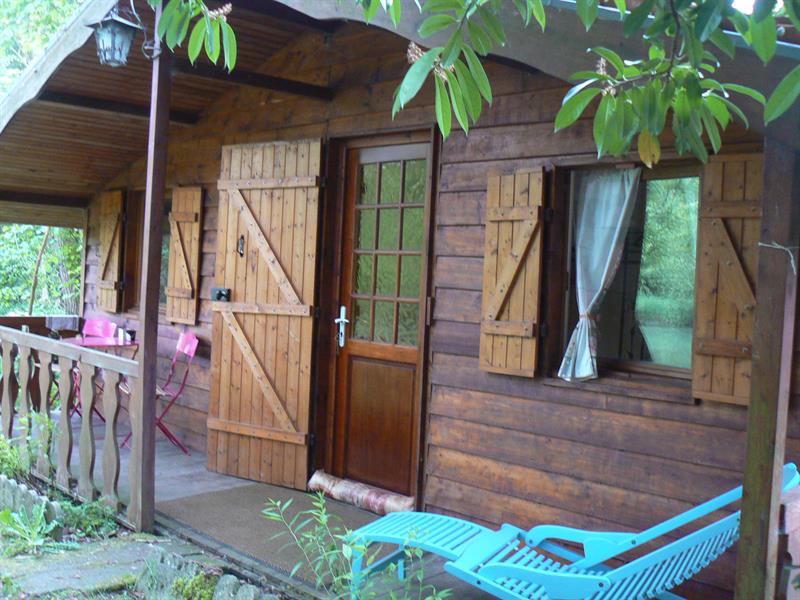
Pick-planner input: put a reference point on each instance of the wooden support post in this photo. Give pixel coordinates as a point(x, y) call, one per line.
point(773, 343)
point(142, 466)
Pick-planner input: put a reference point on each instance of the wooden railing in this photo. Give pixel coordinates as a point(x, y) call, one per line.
point(28, 363)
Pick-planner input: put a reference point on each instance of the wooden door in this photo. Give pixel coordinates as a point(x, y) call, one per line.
point(109, 268)
point(258, 419)
point(378, 368)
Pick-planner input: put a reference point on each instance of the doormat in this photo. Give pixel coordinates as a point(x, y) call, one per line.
point(234, 518)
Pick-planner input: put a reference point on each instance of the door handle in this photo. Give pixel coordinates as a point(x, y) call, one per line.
point(341, 321)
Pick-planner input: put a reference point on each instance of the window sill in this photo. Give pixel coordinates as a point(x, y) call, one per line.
point(661, 387)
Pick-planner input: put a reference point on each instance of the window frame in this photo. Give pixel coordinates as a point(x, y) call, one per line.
point(667, 170)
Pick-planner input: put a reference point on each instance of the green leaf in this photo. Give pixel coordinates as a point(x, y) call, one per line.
point(435, 23)
point(470, 93)
point(634, 21)
point(601, 122)
point(793, 11)
point(440, 5)
point(573, 107)
point(371, 9)
point(414, 79)
point(612, 57)
point(229, 45)
point(711, 129)
point(722, 41)
point(166, 17)
point(764, 37)
point(785, 94)
point(762, 9)
point(621, 7)
point(480, 40)
point(212, 42)
point(453, 49)
point(649, 148)
point(457, 101)
point(709, 16)
point(587, 12)
point(444, 116)
point(493, 25)
point(718, 109)
point(196, 40)
point(478, 74)
point(396, 11)
point(738, 111)
point(537, 7)
point(747, 91)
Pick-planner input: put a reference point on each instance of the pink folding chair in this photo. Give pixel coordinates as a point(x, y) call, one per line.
point(171, 391)
point(91, 328)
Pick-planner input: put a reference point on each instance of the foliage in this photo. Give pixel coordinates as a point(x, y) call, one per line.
point(199, 587)
point(210, 31)
point(329, 552)
point(29, 533)
point(8, 587)
point(10, 460)
point(89, 520)
point(58, 288)
point(27, 27)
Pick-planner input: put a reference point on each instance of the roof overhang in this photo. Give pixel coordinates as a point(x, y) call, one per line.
point(71, 37)
point(562, 49)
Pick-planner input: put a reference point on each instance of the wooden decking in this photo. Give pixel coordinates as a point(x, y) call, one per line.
point(223, 514)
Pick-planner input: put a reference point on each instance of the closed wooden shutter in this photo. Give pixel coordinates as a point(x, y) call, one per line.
point(109, 270)
point(258, 421)
point(727, 257)
point(183, 274)
point(512, 274)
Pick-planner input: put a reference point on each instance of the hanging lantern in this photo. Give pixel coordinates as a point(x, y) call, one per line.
point(114, 37)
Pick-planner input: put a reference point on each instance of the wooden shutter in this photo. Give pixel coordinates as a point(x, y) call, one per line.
point(258, 418)
point(512, 263)
point(183, 274)
point(109, 269)
point(727, 257)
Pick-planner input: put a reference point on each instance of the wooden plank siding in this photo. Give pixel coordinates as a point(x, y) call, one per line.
point(619, 453)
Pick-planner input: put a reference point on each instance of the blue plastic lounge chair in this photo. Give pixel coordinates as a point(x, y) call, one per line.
point(514, 564)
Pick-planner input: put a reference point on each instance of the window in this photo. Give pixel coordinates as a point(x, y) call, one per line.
point(647, 314)
point(134, 230)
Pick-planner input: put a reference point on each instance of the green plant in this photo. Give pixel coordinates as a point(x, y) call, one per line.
point(9, 588)
point(328, 553)
point(29, 533)
point(90, 520)
point(199, 587)
point(10, 460)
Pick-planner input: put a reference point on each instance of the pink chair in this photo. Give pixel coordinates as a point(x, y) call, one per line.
point(91, 328)
point(98, 328)
point(171, 391)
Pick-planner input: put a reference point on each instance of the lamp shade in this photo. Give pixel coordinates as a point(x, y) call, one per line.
point(114, 36)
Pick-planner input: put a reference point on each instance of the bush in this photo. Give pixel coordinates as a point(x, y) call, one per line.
point(90, 520)
point(10, 460)
point(659, 310)
point(199, 587)
point(29, 533)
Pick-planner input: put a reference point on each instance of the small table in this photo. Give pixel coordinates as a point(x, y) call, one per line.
point(109, 344)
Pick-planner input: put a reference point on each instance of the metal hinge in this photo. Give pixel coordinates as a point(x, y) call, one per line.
point(323, 180)
point(549, 214)
point(317, 312)
point(312, 439)
point(542, 330)
point(428, 311)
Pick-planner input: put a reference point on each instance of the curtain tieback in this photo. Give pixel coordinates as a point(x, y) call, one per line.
point(588, 316)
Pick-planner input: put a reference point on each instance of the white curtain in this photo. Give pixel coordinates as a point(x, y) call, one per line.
point(604, 200)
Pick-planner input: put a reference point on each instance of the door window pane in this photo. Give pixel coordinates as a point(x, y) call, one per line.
point(412, 228)
point(361, 319)
point(369, 184)
point(409, 276)
point(390, 183)
point(389, 229)
point(363, 276)
point(415, 181)
point(408, 324)
point(365, 238)
point(384, 322)
point(387, 276)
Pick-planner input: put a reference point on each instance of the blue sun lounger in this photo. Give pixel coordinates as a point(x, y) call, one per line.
point(515, 564)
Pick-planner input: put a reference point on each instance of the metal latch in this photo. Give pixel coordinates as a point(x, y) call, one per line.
point(221, 294)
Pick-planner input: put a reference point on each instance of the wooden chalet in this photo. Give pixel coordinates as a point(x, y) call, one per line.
point(285, 191)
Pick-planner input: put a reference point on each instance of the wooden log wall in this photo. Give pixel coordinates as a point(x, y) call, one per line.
point(618, 453)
